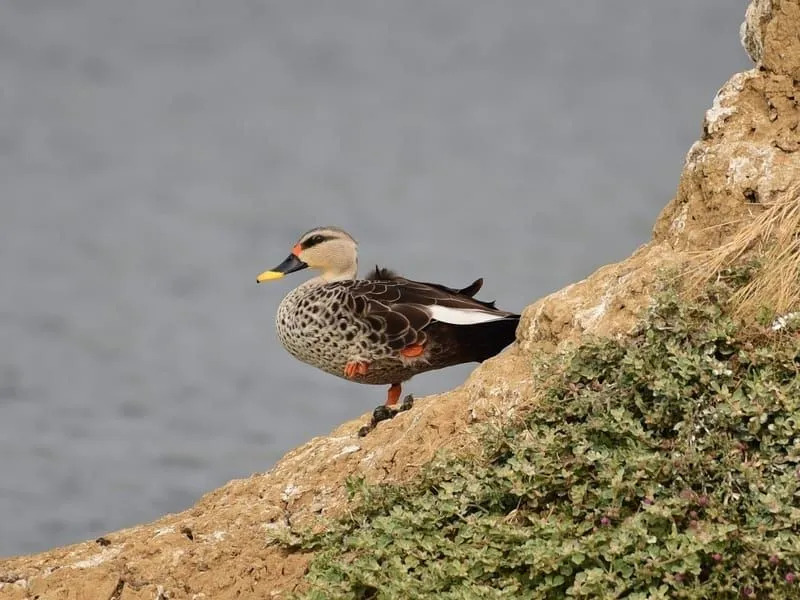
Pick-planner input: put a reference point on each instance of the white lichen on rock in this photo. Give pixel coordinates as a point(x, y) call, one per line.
point(164, 531)
point(347, 450)
point(721, 107)
point(289, 492)
point(97, 559)
point(750, 31)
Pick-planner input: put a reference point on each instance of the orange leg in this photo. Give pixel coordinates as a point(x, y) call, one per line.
point(354, 368)
point(394, 394)
point(412, 350)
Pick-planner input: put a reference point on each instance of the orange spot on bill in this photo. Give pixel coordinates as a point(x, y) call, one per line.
point(412, 350)
point(297, 249)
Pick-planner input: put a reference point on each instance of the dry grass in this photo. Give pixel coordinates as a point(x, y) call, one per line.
point(772, 237)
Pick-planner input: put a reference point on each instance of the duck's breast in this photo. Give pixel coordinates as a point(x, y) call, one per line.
point(317, 326)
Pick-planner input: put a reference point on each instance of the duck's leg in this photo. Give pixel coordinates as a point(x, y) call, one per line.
point(394, 394)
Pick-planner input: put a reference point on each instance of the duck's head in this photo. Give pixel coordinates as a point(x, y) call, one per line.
point(330, 250)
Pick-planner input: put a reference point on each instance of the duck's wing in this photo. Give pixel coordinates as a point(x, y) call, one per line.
point(384, 274)
point(402, 309)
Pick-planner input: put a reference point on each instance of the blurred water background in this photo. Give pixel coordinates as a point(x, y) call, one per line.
point(156, 156)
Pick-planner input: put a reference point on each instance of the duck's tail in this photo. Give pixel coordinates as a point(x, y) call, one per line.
point(485, 340)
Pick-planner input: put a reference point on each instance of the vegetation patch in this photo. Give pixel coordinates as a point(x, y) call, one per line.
point(662, 465)
point(769, 236)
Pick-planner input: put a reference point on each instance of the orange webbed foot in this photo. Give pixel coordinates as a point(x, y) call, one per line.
point(356, 367)
point(389, 410)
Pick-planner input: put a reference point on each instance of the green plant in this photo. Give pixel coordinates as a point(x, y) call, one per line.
point(662, 465)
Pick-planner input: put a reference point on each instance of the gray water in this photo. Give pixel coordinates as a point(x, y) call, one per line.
point(156, 155)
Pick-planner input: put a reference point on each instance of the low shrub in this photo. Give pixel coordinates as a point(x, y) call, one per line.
point(662, 465)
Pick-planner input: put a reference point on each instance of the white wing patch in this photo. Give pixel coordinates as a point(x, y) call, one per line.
point(462, 316)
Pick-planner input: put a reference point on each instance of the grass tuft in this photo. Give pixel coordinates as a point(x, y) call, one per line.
point(772, 238)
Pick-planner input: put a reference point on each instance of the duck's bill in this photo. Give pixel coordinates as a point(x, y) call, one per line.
point(290, 265)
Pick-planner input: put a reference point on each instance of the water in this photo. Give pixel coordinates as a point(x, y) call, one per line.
point(156, 156)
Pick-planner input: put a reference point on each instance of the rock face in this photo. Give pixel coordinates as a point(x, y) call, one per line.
point(769, 34)
point(747, 157)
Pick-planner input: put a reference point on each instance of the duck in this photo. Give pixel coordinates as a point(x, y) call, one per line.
point(382, 329)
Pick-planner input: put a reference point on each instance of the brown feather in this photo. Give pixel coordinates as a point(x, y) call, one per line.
point(381, 273)
point(398, 307)
point(384, 274)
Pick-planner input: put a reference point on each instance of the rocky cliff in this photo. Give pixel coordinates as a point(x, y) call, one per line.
point(746, 162)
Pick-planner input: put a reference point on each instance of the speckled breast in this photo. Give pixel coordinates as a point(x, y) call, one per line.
point(315, 326)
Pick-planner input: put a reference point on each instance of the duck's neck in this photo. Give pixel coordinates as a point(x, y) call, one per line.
point(346, 274)
point(331, 276)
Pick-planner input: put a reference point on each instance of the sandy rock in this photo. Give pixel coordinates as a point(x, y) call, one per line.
point(746, 158)
point(769, 34)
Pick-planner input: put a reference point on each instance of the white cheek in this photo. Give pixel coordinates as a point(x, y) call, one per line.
point(307, 257)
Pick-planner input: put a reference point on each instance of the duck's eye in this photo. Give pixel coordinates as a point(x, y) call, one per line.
point(313, 241)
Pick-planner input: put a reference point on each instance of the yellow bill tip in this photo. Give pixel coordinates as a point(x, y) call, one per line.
point(268, 275)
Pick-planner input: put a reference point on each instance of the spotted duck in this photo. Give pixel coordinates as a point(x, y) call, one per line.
point(383, 329)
